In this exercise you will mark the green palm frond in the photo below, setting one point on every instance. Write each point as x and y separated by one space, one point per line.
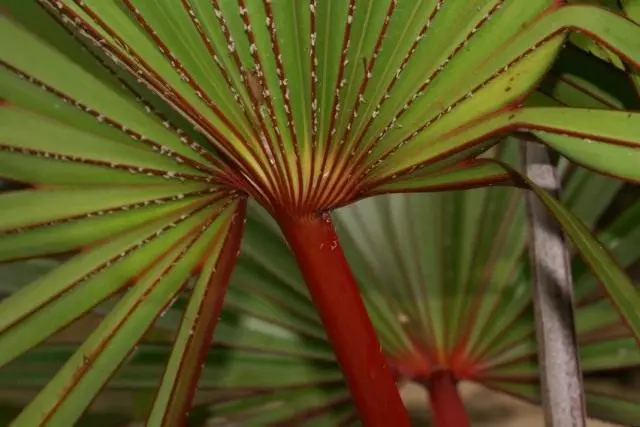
135 132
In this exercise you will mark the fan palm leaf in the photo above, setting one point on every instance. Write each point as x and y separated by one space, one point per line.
139 129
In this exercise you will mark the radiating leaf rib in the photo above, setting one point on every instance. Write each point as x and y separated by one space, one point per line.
361 229
34 208
497 253
587 195
607 28
38 168
464 221
595 317
287 407
611 354
255 371
265 306
76 269
577 79
178 384
175 28
518 342
583 186
273 258
23 92
328 409
601 404
610 407
244 368
54 300
613 151
74 235
215 42
230 36
591 320
264 338
546 26
31 133
368 30
132 26
407 25
489 84
66 397
390 320
521 364
263 74
135 47
616 283
502 297
245 407
342 21
619 288
621 237
255 339
48 63
291 35
263 284
471 174
611 159
592 323
330 18
408 322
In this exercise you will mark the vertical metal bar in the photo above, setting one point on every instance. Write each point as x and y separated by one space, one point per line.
560 374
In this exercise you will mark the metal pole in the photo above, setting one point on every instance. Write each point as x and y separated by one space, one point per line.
560 374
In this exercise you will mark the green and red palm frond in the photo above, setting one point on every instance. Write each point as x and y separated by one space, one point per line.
303 125
141 205
138 130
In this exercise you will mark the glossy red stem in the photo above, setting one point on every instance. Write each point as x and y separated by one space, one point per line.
335 294
447 408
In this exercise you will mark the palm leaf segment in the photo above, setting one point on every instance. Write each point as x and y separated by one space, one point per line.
304 106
